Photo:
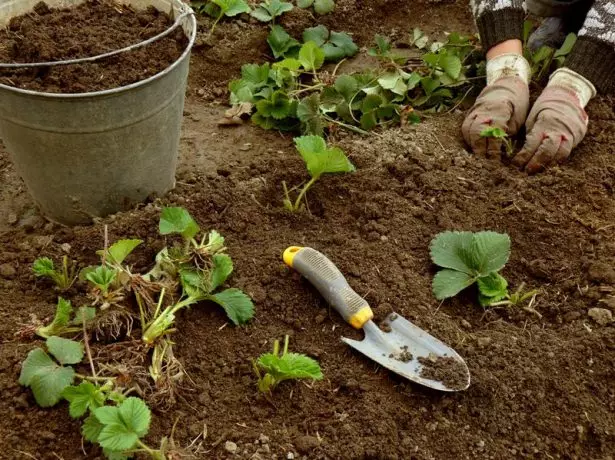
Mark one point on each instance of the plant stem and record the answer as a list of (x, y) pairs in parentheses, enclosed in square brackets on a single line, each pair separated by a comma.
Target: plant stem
[(146, 448), (94, 379), (213, 26), (86, 342), (286, 340), (303, 192)]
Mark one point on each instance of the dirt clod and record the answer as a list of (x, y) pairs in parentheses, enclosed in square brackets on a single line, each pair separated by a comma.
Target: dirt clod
[(601, 315)]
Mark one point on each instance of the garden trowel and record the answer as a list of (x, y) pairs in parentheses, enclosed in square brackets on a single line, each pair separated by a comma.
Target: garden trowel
[(404, 348)]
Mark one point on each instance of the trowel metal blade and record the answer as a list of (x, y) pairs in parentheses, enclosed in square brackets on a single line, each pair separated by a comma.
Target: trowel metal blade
[(386, 349)]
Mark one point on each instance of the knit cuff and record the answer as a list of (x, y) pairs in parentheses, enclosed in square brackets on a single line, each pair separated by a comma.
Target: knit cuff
[(500, 25), (595, 60)]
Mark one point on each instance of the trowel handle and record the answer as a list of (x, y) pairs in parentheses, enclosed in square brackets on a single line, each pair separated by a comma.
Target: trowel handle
[(331, 284)]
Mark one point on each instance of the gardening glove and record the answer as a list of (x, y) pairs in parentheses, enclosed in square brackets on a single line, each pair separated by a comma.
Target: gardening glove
[(557, 122), (503, 103)]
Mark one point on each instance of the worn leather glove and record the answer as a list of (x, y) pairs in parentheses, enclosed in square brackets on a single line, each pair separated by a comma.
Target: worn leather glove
[(503, 103), (557, 122)]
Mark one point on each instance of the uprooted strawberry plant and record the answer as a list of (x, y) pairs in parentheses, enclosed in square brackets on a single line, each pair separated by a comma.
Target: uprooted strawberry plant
[(186, 272)]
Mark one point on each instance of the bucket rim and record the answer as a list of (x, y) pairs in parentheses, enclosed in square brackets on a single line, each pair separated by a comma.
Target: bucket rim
[(119, 89)]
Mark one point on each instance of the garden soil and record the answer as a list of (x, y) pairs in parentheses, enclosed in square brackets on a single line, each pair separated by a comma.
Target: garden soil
[(542, 381), (92, 28)]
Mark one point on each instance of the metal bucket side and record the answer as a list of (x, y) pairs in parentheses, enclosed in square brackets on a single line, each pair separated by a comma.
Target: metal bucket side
[(93, 154)]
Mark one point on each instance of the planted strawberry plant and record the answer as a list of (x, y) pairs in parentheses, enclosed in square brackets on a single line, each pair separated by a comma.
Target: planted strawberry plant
[(319, 159), (269, 10), (63, 277), (273, 368), (320, 6)]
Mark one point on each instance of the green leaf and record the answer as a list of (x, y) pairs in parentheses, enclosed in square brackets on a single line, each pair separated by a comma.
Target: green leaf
[(491, 251), (281, 42), (476, 254), (290, 366), (64, 350), (278, 106), (567, 46), (238, 306), (311, 56), (60, 320), (120, 250), (451, 65), (347, 86), (340, 45), (429, 85), (453, 250), (178, 220), (289, 64), (83, 397), (84, 313), (493, 285), (308, 112), (448, 283), (101, 276), (419, 39), (543, 53), (270, 9), (318, 35), (319, 159), (324, 6), (123, 425), (232, 7), (43, 266), (112, 455), (371, 103), (221, 270), (192, 282), (46, 379), (495, 132), (256, 75), (383, 47), (304, 3), (91, 428), (261, 14)]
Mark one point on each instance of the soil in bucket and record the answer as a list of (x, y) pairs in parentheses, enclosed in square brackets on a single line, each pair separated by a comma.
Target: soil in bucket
[(91, 28)]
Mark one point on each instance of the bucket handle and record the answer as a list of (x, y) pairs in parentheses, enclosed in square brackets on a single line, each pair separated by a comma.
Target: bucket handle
[(176, 24)]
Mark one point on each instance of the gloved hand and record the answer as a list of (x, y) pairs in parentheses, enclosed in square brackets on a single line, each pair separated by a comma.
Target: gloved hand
[(557, 122), (503, 103)]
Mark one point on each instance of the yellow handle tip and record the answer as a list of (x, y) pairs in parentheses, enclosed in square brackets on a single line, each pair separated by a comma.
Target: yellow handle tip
[(289, 255), (361, 317)]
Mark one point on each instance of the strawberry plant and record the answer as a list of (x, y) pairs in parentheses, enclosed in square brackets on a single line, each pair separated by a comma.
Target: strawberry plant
[(320, 6), (63, 277), (217, 9), (498, 133), (469, 258), (319, 159), (273, 368), (545, 59), (62, 323), (268, 10), (201, 267)]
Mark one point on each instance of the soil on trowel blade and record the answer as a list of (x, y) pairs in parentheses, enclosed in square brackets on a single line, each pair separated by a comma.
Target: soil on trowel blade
[(89, 29), (447, 370)]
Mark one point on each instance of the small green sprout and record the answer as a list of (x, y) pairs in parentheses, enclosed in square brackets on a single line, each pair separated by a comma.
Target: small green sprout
[(273, 368), (498, 133), (319, 159), (269, 10), (62, 324), (220, 8), (64, 278), (102, 277)]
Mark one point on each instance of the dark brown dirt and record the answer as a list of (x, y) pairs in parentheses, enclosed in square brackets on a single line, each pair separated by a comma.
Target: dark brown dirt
[(447, 370), (542, 387), (89, 29)]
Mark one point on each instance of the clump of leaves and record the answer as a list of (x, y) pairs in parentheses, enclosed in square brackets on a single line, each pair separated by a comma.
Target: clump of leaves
[(499, 133), (63, 277), (319, 159), (320, 6), (545, 59), (66, 321), (296, 94), (469, 258), (217, 9), (268, 10), (273, 368), (201, 266)]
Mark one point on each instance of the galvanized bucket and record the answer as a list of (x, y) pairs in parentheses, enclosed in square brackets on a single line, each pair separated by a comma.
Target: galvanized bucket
[(92, 154)]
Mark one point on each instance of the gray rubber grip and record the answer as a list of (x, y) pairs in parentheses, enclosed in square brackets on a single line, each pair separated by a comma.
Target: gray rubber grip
[(330, 282)]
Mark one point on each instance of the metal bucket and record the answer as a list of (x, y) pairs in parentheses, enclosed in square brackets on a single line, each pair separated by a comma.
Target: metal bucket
[(92, 154)]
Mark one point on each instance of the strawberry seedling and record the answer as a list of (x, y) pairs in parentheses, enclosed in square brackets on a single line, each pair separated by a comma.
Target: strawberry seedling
[(217, 9), (320, 6), (498, 133), (319, 159), (273, 368), (269, 10), (63, 278), (62, 323), (545, 59)]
